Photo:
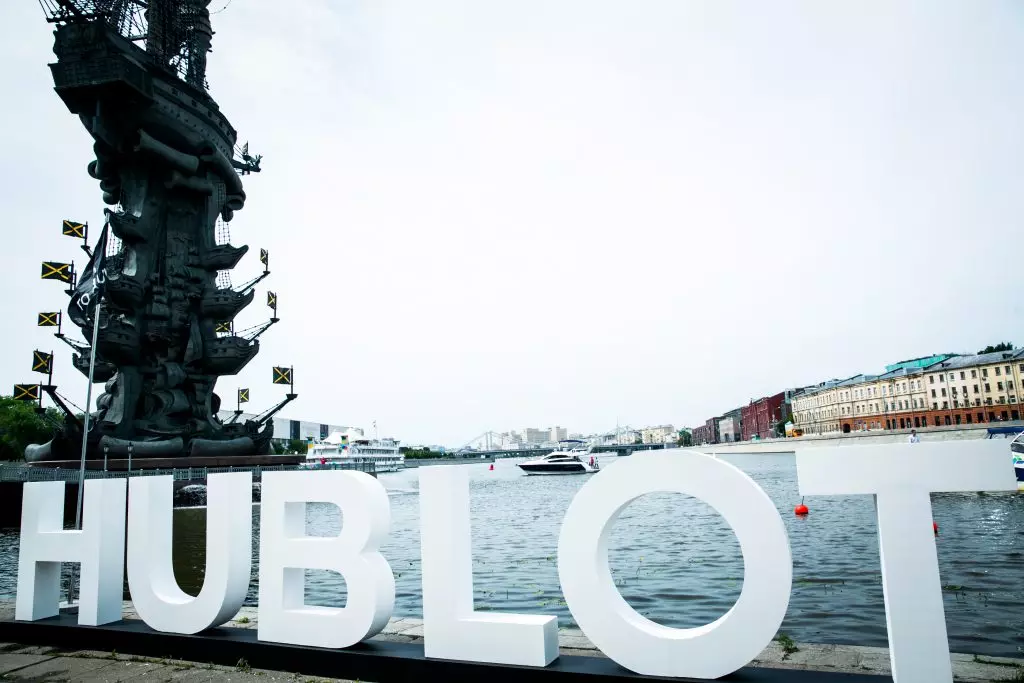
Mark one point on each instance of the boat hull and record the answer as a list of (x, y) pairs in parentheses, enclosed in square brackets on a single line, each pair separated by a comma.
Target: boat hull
[(553, 470)]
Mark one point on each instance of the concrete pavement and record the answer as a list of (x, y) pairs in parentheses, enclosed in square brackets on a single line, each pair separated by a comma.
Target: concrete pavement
[(48, 664)]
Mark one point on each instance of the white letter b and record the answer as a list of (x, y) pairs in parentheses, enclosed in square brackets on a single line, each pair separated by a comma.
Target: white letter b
[(286, 551)]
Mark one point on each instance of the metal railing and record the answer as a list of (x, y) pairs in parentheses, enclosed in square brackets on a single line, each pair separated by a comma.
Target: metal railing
[(24, 474)]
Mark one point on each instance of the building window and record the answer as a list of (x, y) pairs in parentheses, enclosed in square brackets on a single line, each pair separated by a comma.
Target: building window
[(975, 388), (951, 376), (984, 372), (1007, 369), (953, 391), (998, 371), (974, 373), (933, 393), (988, 388), (945, 405), (931, 379), (999, 386), (1009, 385), (943, 392), (935, 406), (963, 375), (981, 417), (937, 423), (970, 418)]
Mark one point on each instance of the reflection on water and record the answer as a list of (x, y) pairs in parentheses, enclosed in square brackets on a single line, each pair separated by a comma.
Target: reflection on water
[(675, 561)]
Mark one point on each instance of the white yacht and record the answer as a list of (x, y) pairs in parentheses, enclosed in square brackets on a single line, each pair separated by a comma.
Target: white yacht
[(571, 457), (353, 447)]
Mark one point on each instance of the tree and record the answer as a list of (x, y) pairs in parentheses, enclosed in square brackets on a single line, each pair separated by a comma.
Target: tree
[(685, 439), (419, 453), (21, 425), (297, 446), (1002, 346)]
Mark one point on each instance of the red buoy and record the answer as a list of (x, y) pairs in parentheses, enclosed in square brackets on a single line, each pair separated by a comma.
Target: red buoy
[(492, 467), (935, 528), (801, 510)]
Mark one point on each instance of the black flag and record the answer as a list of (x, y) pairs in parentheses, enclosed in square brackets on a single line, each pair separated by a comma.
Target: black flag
[(90, 284), (42, 362), (26, 392)]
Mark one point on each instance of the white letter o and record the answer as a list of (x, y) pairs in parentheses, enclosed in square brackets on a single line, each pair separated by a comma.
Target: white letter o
[(637, 643)]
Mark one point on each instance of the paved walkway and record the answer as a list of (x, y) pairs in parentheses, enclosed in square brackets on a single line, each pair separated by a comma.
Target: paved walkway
[(49, 664)]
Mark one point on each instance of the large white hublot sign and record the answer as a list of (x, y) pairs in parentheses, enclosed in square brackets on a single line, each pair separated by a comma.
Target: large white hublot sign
[(900, 476)]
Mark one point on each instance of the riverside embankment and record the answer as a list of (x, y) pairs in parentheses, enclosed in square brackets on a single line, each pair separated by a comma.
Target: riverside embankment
[(791, 445), (40, 663)]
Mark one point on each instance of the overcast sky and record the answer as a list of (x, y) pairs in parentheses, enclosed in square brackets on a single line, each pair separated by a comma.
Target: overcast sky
[(491, 215)]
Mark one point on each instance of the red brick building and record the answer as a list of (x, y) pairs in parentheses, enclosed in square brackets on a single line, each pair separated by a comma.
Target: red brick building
[(761, 416), (706, 433)]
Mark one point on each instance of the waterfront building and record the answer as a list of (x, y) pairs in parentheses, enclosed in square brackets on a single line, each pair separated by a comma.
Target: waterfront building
[(932, 391), (627, 436), (707, 433), (730, 426), (977, 388), (902, 400), (760, 417), (531, 436), (659, 434), (820, 409)]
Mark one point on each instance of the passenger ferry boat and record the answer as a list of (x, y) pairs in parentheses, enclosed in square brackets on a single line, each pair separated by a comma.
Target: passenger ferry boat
[(354, 447), (571, 457)]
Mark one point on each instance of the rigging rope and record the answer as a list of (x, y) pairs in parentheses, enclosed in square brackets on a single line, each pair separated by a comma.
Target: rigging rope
[(69, 401)]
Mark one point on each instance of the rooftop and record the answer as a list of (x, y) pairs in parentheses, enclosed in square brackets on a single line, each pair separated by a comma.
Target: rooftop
[(923, 361), (976, 359)]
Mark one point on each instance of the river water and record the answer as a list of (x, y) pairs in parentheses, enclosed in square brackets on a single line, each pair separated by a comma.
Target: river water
[(675, 560)]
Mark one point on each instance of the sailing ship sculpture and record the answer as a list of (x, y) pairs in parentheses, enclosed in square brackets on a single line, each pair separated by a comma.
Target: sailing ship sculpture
[(134, 71)]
